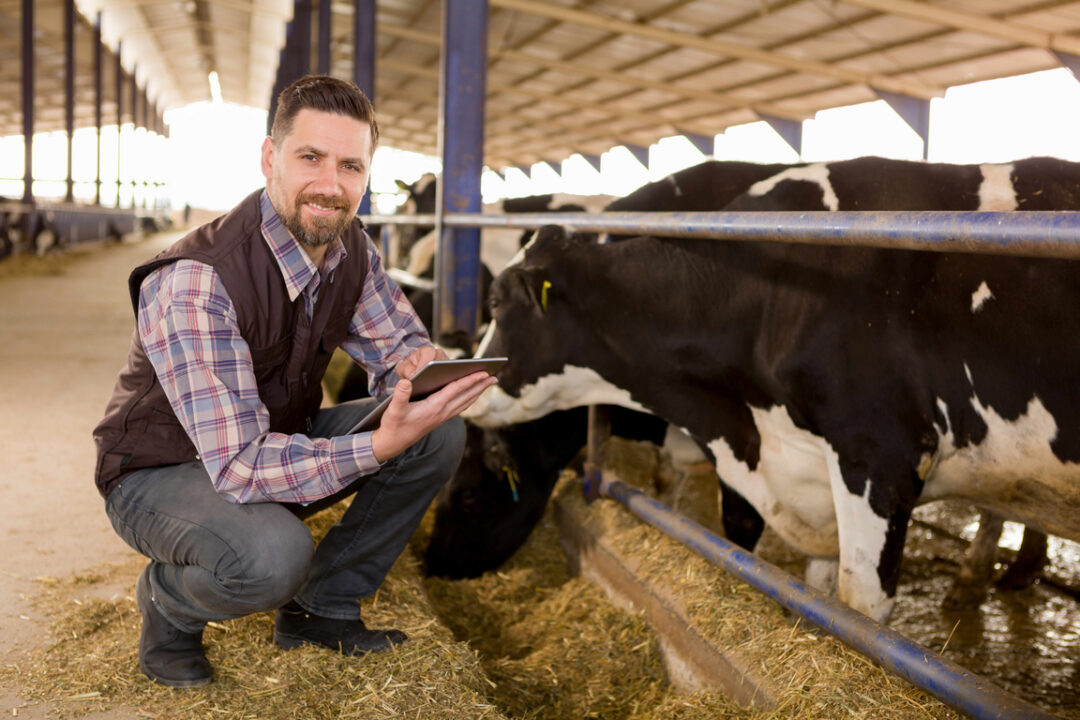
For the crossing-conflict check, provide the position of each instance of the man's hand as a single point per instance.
(406, 422)
(410, 365)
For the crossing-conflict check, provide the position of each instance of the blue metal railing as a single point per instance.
(952, 684)
(1036, 233)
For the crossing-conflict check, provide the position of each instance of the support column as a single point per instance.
(789, 130)
(912, 110)
(99, 99)
(640, 153)
(145, 180)
(28, 105)
(284, 58)
(364, 63)
(302, 37)
(119, 114)
(324, 37)
(69, 93)
(706, 144)
(462, 93)
(133, 150)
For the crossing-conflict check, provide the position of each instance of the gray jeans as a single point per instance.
(212, 559)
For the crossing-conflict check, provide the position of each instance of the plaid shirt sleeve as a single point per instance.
(188, 327)
(385, 329)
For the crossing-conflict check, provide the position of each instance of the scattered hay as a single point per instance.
(92, 662)
(527, 641)
(553, 646)
(814, 674)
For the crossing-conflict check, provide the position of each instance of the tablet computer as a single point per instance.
(430, 378)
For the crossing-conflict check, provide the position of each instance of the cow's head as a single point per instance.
(542, 322)
(420, 200)
(529, 321)
(499, 492)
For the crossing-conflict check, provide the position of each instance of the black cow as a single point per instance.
(834, 387)
(500, 490)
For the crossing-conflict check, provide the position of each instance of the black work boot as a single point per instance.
(167, 654)
(294, 626)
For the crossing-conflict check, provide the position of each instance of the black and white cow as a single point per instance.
(834, 387)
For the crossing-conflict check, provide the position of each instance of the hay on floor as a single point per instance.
(91, 662)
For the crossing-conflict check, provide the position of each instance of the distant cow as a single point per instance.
(834, 387)
(413, 246)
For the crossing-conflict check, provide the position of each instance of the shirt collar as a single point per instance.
(295, 265)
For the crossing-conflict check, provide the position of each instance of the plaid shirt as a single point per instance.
(188, 327)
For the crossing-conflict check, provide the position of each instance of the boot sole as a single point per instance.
(167, 682)
(291, 642)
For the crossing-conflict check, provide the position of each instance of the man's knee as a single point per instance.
(448, 441)
(271, 569)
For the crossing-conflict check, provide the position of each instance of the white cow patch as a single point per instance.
(861, 538)
(520, 256)
(421, 255)
(573, 387)
(486, 340)
(681, 448)
(790, 486)
(1012, 472)
(423, 184)
(996, 193)
(817, 173)
(980, 296)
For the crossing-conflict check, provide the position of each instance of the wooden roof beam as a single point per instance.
(721, 98)
(982, 24)
(722, 47)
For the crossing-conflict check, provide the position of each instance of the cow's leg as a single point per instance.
(871, 535)
(1029, 562)
(973, 578)
(823, 574)
(743, 524)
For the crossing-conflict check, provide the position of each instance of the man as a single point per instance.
(213, 446)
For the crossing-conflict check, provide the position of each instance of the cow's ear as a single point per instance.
(402, 184)
(554, 235)
(535, 289)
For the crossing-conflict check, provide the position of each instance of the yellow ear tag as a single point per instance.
(543, 294)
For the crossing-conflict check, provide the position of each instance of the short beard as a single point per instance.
(325, 230)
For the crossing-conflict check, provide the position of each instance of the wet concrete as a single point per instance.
(1026, 641)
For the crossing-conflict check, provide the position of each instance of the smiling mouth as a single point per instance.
(323, 209)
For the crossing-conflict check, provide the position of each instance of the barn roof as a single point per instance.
(566, 76)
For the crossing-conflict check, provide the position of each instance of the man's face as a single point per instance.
(317, 174)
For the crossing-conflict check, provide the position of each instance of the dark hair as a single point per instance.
(325, 94)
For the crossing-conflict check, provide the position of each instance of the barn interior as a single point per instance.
(574, 77)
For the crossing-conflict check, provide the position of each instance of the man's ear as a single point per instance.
(268, 157)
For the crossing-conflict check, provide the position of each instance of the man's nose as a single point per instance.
(327, 179)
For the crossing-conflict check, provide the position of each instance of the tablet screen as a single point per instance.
(432, 377)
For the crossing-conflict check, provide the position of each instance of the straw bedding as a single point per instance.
(528, 641)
